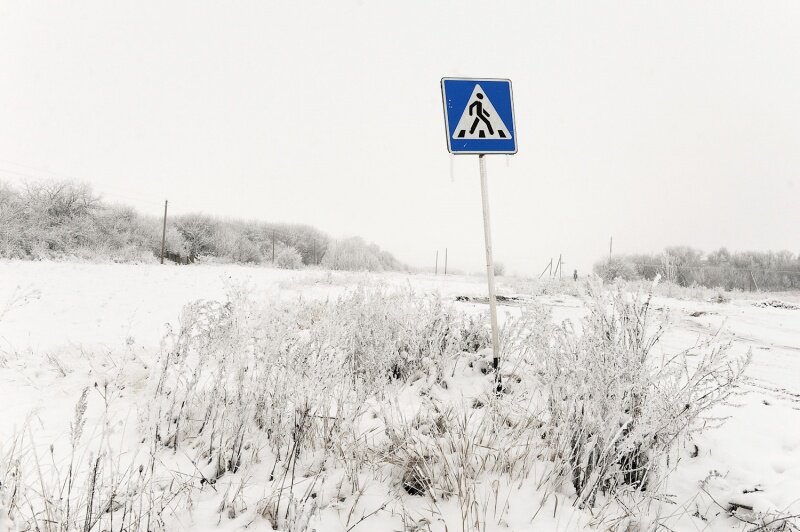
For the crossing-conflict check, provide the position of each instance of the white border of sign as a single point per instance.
(447, 122)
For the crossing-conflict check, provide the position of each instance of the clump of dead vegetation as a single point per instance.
(615, 407)
(284, 413)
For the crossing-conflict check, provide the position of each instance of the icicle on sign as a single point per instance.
(479, 116)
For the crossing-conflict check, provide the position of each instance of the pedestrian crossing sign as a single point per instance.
(479, 115)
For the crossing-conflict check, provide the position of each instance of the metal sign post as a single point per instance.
(487, 237)
(479, 118)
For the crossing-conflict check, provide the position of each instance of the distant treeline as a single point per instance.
(686, 266)
(62, 220)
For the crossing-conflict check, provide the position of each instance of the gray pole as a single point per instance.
(164, 232)
(436, 268)
(549, 265)
(487, 235)
(445, 261)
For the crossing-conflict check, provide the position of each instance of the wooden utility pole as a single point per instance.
(549, 265)
(436, 268)
(445, 261)
(558, 268)
(164, 232)
(610, 246)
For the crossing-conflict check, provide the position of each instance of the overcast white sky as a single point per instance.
(658, 122)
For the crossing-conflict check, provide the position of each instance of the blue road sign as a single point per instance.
(479, 115)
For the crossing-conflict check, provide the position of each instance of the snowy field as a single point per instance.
(66, 328)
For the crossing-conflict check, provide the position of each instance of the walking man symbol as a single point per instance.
(480, 119)
(480, 114)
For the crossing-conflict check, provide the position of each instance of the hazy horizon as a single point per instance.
(659, 124)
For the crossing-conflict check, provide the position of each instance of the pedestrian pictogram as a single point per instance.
(480, 119)
(479, 115)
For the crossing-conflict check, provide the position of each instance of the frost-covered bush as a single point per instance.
(64, 220)
(242, 387)
(198, 233)
(461, 452)
(237, 373)
(614, 407)
(613, 268)
(289, 258)
(391, 336)
(245, 251)
(46, 218)
(353, 254)
(741, 270)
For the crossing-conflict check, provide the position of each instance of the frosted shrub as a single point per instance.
(354, 254)
(240, 384)
(391, 336)
(289, 259)
(245, 251)
(614, 409)
(615, 267)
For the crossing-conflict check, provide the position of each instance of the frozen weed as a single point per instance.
(614, 412)
(89, 486)
(19, 297)
(240, 383)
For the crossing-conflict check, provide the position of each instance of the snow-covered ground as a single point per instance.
(65, 327)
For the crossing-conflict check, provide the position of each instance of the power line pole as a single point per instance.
(164, 232)
(445, 261)
(610, 246)
(436, 268)
(549, 265)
